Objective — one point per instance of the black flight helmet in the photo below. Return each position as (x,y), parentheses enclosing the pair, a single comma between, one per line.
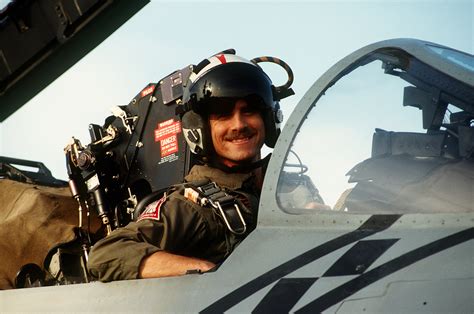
(214,87)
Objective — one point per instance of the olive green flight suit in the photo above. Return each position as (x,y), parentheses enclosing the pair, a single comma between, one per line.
(180,227)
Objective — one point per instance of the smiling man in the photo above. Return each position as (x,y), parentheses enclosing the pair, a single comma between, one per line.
(237,135)
(229,112)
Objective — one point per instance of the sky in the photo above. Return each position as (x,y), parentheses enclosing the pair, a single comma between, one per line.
(168,35)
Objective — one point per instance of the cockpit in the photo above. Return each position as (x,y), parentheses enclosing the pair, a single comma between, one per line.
(393,132)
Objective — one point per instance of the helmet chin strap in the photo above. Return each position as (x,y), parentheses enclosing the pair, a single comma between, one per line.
(242,168)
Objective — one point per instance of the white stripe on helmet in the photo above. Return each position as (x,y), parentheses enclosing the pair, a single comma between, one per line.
(216,61)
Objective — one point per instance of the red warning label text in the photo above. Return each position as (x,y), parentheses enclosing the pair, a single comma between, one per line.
(166,134)
(147,90)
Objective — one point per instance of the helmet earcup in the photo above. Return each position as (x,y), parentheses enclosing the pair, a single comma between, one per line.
(272,120)
(195,132)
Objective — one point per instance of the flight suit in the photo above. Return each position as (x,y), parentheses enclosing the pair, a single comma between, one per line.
(177,225)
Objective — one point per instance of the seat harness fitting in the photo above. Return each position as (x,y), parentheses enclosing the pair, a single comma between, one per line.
(207,192)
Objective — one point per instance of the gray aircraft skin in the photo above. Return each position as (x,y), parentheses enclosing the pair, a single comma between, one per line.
(409,256)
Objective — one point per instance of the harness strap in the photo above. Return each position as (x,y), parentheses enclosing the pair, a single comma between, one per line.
(209,193)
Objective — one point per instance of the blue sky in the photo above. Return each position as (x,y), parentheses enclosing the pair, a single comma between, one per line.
(168,35)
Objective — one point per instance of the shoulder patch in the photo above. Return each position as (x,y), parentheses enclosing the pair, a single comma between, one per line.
(152,211)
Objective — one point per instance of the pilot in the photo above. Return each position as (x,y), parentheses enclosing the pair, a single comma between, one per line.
(229,113)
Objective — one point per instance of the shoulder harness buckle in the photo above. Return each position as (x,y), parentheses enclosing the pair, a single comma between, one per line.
(205,192)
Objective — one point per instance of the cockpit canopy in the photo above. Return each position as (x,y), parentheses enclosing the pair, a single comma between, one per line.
(389,129)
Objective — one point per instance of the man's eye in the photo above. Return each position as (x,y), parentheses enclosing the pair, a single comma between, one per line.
(249,111)
(225,114)
(220,116)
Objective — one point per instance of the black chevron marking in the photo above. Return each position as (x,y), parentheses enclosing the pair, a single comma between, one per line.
(359,257)
(349,288)
(284,295)
(374,224)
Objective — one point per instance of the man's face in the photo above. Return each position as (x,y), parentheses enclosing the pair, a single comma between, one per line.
(237,135)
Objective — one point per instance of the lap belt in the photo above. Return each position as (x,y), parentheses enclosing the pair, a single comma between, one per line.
(205,192)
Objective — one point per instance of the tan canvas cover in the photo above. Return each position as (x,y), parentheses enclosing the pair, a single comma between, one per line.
(33,219)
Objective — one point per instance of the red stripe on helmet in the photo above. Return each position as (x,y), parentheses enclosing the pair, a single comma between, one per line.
(221,59)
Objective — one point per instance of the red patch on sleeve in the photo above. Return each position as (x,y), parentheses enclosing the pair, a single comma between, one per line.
(152,211)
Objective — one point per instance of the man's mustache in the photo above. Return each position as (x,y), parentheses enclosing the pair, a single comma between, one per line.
(245,132)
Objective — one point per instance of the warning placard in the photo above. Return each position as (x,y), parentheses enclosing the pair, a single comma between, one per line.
(166,134)
(147,90)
